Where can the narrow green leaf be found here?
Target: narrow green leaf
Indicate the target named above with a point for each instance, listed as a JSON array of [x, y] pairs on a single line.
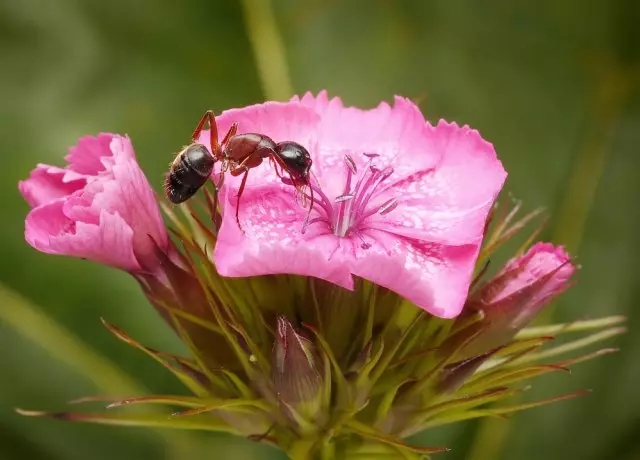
[[386, 403], [509, 376], [186, 379], [170, 400], [448, 419], [370, 433], [383, 363], [189, 317], [207, 423], [341, 382], [576, 326], [222, 404], [544, 402], [571, 346], [466, 402]]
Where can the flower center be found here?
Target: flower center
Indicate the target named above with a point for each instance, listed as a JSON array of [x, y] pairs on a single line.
[[347, 213]]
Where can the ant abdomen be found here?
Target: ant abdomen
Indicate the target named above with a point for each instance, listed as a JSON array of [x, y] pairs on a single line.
[[188, 172]]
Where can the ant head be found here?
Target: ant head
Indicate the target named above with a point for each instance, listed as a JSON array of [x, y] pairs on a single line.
[[296, 161]]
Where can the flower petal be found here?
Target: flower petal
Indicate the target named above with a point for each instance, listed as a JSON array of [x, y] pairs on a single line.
[[91, 154], [100, 207], [109, 242], [539, 260], [433, 276], [399, 134], [47, 183], [123, 190], [274, 243], [450, 203]]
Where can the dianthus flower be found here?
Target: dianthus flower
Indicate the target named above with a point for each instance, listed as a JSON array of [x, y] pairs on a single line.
[[324, 331]]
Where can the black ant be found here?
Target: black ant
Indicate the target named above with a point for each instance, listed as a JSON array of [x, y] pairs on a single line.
[[238, 153]]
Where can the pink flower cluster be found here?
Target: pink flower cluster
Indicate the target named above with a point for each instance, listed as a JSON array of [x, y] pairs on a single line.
[[398, 201]]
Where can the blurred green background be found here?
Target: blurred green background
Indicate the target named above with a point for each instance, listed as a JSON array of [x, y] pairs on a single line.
[[553, 84]]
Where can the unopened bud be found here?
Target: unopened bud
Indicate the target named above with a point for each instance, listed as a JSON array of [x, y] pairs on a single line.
[[514, 297], [297, 374]]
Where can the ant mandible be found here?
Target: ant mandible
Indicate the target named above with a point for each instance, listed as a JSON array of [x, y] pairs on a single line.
[[238, 153]]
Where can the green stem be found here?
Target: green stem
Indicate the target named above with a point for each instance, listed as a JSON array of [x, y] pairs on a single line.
[[301, 449], [268, 49]]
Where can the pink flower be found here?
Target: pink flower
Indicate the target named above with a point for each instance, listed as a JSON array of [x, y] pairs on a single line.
[[99, 207], [398, 201], [525, 285]]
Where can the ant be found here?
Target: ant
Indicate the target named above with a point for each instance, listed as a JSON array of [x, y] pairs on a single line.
[[238, 153]]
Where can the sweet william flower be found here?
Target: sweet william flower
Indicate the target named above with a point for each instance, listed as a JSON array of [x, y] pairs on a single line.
[[398, 202], [99, 206], [299, 362]]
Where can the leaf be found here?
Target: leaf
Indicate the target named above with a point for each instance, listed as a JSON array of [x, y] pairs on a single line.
[[223, 404], [207, 423], [190, 382], [186, 401], [371, 433], [386, 403], [341, 383], [576, 326], [467, 402], [571, 346], [544, 402], [389, 355], [509, 376]]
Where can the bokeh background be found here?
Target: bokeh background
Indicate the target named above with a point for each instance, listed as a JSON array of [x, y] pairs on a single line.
[[552, 83]]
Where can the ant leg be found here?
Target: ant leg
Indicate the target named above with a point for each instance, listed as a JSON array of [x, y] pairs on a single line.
[[209, 118], [306, 221], [232, 132], [236, 172], [251, 161], [223, 169], [275, 167]]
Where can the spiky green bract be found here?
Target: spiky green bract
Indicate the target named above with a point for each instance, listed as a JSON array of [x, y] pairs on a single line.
[[322, 372]]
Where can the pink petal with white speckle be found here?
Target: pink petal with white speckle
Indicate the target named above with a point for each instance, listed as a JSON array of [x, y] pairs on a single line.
[[433, 276], [273, 242]]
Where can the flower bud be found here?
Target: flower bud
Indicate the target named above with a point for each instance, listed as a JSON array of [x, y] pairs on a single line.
[[297, 375], [99, 207], [514, 296]]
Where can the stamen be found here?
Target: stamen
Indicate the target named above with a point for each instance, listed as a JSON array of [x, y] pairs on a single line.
[[326, 203], [308, 222], [382, 175], [351, 164], [341, 198], [370, 178], [347, 212], [388, 206], [344, 200]]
